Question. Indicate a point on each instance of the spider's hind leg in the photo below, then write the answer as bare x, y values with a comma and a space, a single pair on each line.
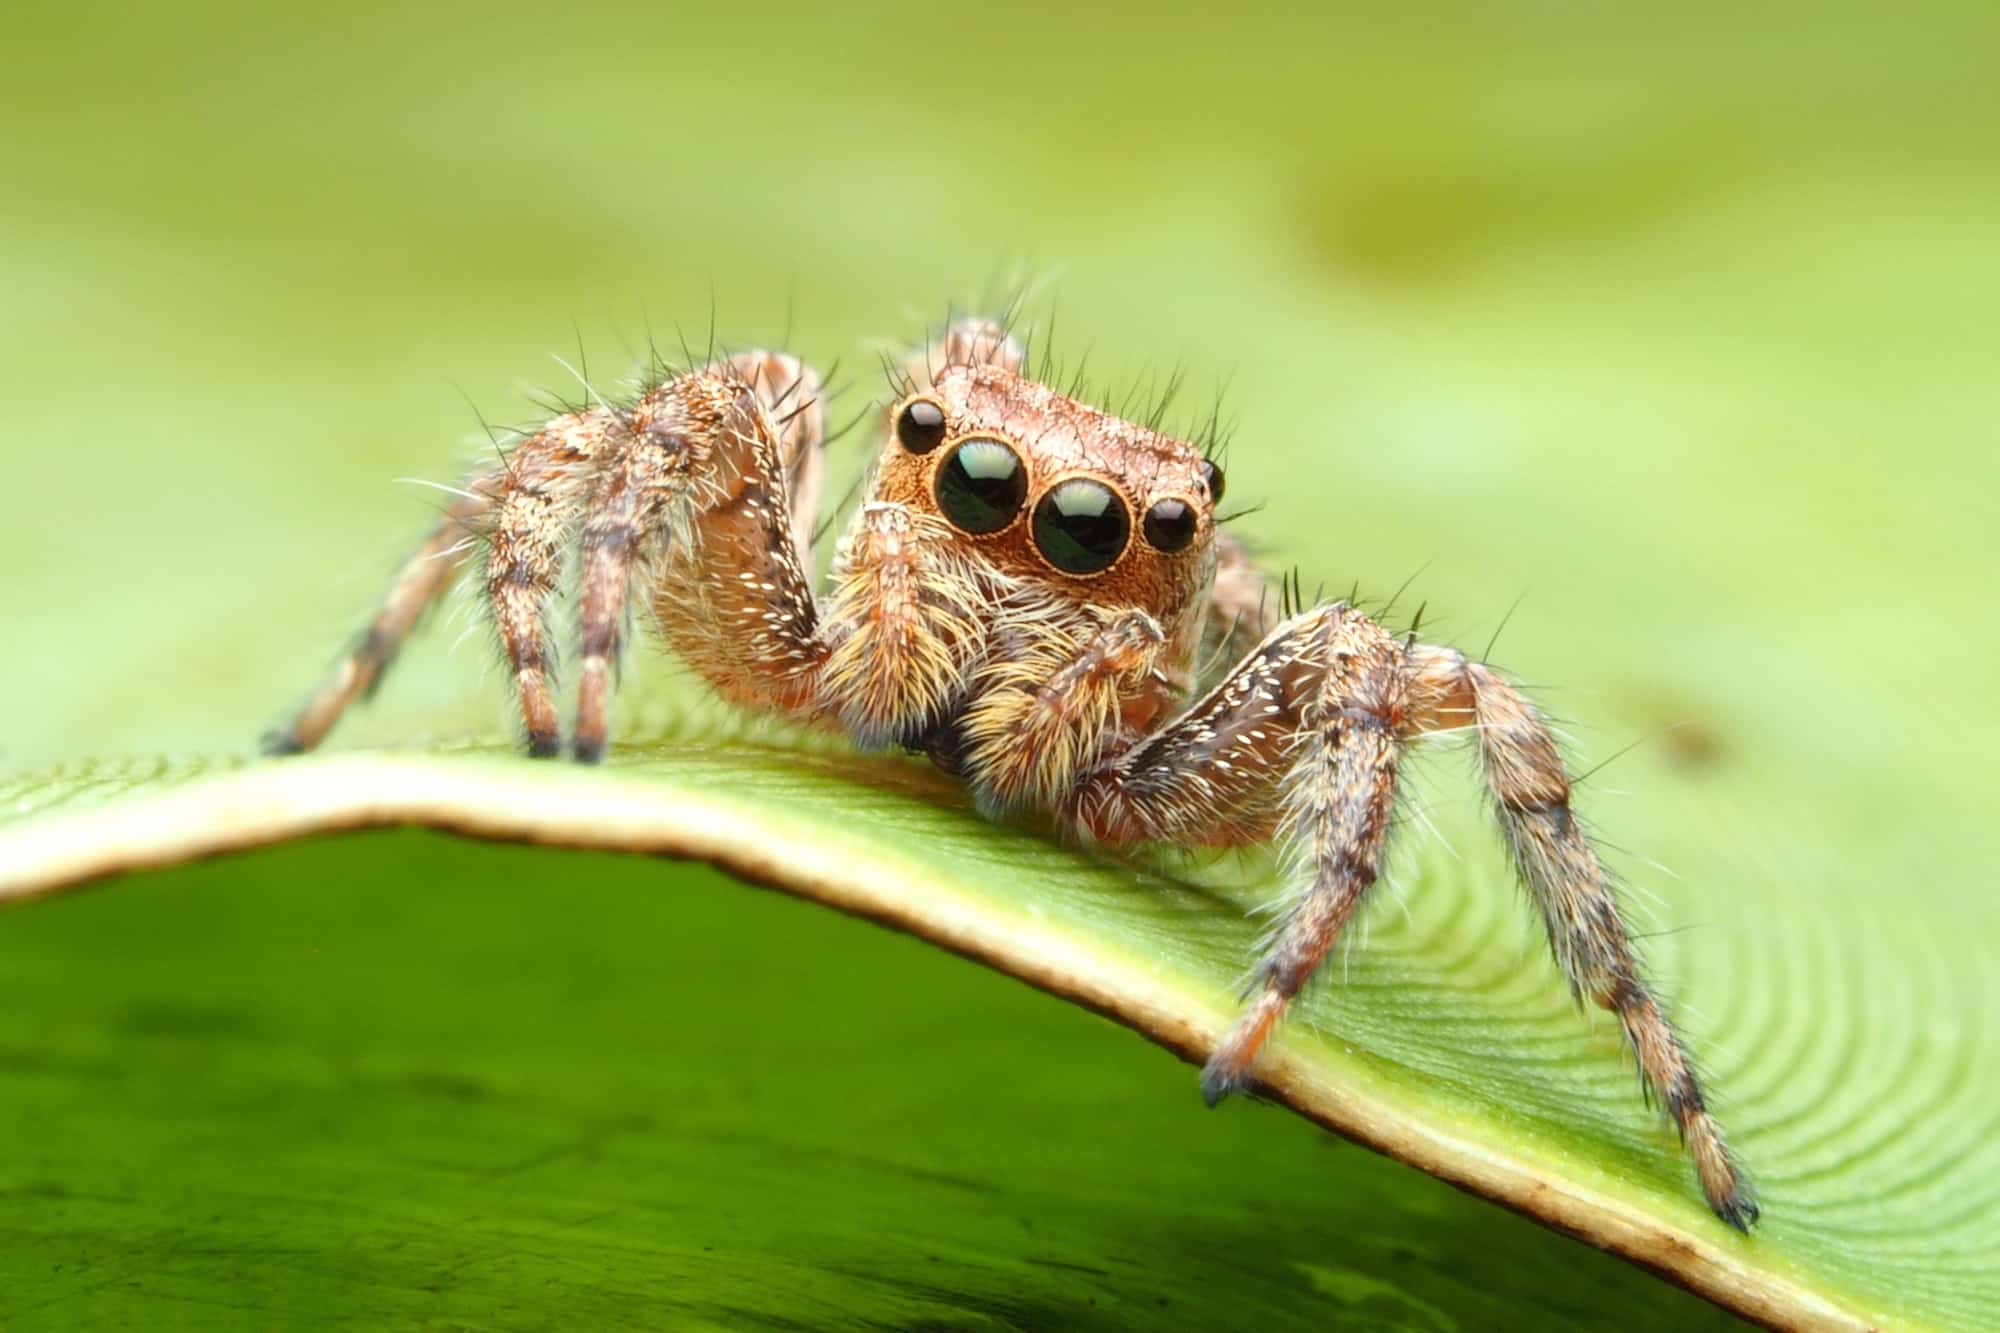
709, 501
709, 495
730, 454
420, 581
526, 511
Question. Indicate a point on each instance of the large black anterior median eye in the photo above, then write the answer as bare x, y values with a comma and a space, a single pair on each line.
1170, 524
980, 487
1081, 526
920, 426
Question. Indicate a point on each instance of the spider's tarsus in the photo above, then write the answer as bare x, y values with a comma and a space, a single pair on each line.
277, 744
544, 745
1217, 1081
1739, 1210
588, 751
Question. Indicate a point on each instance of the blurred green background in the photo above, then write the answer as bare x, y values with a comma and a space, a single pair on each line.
1680, 324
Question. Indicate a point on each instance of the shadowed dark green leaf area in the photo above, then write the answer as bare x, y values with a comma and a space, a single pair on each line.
394, 1078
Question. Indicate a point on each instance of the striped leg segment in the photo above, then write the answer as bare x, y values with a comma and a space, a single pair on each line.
717, 468
621, 534
1531, 796
1339, 802
709, 501
422, 579
539, 501
1301, 737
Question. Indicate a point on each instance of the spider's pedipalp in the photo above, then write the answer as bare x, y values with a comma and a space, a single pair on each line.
1044, 709
902, 626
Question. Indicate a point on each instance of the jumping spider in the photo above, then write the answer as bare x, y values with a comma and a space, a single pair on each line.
1022, 596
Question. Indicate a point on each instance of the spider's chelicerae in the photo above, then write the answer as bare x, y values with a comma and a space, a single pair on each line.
1023, 595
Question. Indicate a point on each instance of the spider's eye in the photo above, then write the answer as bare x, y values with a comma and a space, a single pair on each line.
1211, 476
920, 426
1081, 526
1170, 525
980, 487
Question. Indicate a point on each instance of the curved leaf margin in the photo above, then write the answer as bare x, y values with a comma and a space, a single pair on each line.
696, 808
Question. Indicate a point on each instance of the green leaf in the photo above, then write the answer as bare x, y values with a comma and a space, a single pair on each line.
1683, 325
392, 1079
1432, 1045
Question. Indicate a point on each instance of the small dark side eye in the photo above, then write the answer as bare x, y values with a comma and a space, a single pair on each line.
981, 485
1211, 476
1170, 525
920, 426
1081, 526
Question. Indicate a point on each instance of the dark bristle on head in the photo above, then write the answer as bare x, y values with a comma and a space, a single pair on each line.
1149, 399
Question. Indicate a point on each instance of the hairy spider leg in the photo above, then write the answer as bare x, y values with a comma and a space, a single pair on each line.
697, 506
600, 472
1339, 796
1304, 738
423, 577
1530, 789
1300, 739
538, 502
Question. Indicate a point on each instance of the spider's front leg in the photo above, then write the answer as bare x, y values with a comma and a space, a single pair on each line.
1301, 738
1304, 739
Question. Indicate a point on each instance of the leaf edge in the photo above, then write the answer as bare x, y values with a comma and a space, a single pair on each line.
502, 800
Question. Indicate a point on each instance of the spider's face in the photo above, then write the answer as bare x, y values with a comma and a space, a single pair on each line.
1045, 490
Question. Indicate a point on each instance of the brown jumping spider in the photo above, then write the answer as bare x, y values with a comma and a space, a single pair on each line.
1023, 596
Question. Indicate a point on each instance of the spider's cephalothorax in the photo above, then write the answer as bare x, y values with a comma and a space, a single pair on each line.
1023, 595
